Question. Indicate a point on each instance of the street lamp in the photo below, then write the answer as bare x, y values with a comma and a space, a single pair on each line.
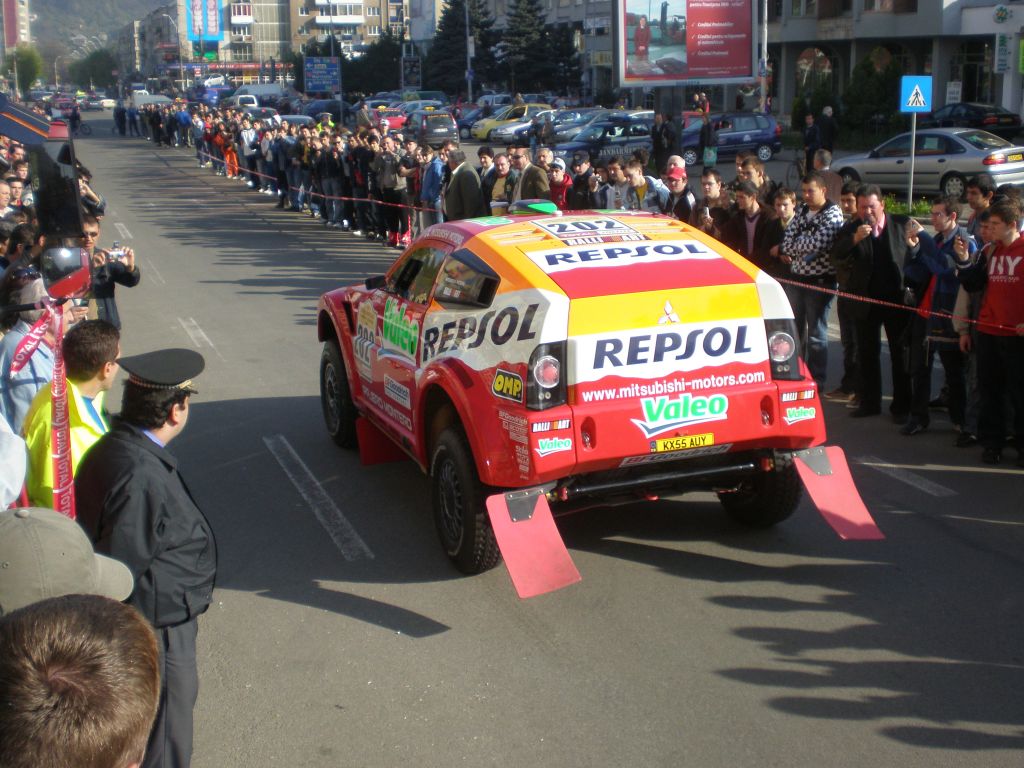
177, 39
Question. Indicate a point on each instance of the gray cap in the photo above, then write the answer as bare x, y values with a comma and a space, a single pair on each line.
46, 554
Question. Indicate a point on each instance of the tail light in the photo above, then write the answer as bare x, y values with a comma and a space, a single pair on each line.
778, 129
783, 349
997, 159
546, 377
990, 120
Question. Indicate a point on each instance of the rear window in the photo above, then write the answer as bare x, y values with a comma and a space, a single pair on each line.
983, 140
439, 121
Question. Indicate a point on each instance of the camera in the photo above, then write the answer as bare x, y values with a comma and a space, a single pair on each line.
115, 253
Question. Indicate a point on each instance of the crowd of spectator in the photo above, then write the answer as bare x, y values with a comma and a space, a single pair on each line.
820, 239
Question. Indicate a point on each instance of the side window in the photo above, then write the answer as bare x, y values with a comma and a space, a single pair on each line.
896, 148
931, 145
463, 283
746, 124
414, 275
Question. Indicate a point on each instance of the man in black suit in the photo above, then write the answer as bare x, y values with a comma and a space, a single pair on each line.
533, 183
135, 506
870, 254
745, 230
463, 198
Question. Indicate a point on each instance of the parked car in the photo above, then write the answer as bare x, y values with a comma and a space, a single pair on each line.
737, 131
298, 120
944, 159
519, 130
608, 138
568, 129
483, 129
263, 113
432, 127
465, 122
393, 113
987, 117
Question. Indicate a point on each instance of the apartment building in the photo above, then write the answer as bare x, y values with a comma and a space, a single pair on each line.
355, 24
16, 24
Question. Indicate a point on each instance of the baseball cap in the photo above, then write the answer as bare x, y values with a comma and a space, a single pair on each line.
580, 157
676, 172
558, 163
46, 554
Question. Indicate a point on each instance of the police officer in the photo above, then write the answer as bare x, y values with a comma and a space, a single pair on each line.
135, 506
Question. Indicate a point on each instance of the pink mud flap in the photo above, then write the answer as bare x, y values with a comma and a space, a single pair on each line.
530, 543
826, 476
374, 446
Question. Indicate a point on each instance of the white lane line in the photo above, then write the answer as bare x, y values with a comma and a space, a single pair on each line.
150, 266
198, 335
123, 230
344, 536
906, 476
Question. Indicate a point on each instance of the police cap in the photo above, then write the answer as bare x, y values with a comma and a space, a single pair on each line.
164, 368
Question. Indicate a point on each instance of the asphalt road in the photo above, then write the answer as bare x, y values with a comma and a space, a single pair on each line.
689, 642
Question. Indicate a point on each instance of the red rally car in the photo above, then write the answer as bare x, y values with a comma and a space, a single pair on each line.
536, 363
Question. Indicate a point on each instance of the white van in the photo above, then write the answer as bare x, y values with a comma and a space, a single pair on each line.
265, 93
496, 100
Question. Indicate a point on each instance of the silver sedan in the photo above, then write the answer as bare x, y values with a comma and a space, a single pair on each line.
944, 159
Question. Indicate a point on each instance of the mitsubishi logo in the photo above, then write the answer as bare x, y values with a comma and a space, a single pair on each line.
669, 316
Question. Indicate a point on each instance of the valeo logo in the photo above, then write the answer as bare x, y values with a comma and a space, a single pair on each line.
800, 413
549, 445
401, 332
664, 413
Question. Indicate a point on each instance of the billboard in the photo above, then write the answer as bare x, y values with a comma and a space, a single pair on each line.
204, 20
676, 42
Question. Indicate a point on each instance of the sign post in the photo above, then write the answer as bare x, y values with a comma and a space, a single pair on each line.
915, 96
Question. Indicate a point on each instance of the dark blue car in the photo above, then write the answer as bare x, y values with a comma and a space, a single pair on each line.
736, 131
609, 138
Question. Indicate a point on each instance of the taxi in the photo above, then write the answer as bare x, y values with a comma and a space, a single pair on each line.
483, 130
550, 363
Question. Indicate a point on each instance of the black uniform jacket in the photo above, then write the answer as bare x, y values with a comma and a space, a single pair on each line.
135, 506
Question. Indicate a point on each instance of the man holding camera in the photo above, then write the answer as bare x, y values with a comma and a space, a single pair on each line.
109, 269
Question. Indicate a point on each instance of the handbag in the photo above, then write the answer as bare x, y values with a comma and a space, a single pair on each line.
710, 155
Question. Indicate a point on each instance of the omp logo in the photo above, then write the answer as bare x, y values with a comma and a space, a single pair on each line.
664, 413
549, 445
401, 332
508, 385
793, 415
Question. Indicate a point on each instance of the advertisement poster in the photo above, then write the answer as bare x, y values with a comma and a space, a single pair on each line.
679, 41
204, 20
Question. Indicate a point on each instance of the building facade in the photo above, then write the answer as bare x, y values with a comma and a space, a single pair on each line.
971, 49
15, 19
355, 24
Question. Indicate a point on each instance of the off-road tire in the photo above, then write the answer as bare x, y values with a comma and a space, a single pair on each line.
767, 498
340, 412
460, 505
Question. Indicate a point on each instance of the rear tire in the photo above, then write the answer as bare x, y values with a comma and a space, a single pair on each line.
690, 156
464, 133
848, 175
764, 153
460, 505
339, 410
954, 185
766, 498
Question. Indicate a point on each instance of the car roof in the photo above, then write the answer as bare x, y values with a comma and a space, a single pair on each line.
513, 246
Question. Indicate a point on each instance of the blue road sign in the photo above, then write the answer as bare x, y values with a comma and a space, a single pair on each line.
916, 93
323, 74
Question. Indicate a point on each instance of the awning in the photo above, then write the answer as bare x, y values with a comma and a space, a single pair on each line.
21, 125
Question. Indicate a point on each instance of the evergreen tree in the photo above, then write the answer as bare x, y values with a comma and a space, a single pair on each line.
445, 65
378, 69
564, 60
524, 54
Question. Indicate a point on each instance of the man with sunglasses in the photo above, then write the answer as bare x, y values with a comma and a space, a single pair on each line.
110, 268
532, 183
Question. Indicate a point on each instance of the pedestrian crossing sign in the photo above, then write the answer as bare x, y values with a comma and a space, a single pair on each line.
916, 93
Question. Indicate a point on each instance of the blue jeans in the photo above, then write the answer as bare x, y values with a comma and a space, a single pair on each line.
810, 310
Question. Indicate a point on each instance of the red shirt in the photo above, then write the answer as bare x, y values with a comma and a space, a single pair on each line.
1003, 302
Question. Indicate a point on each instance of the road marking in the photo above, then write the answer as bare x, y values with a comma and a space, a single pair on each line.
344, 536
156, 272
198, 335
899, 472
123, 230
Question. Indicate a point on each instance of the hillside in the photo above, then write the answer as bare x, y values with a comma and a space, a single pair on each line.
57, 20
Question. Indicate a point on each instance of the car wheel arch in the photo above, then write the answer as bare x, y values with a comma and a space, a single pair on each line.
440, 405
